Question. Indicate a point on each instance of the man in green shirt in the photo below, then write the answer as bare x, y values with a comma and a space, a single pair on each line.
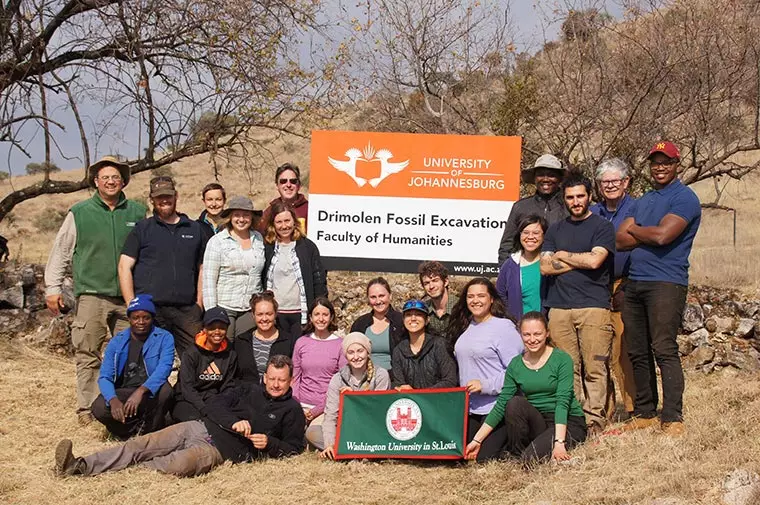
434, 278
90, 241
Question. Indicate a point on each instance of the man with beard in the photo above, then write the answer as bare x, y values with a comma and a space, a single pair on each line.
659, 233
578, 256
90, 241
163, 256
242, 424
134, 392
546, 173
287, 177
434, 278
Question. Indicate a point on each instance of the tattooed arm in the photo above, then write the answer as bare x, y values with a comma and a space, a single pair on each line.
550, 265
587, 261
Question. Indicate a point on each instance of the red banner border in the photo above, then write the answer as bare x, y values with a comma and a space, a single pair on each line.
390, 392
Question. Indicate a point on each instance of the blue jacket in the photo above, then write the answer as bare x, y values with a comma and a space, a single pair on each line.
509, 286
158, 355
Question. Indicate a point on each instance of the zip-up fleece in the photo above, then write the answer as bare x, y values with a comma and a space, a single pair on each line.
280, 419
101, 233
205, 373
158, 355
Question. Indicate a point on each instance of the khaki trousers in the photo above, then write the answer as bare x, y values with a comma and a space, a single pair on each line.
586, 335
620, 367
95, 317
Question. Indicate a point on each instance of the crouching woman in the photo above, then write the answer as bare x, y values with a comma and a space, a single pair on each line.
546, 422
360, 374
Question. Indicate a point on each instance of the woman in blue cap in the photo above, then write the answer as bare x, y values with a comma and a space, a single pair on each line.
207, 368
421, 360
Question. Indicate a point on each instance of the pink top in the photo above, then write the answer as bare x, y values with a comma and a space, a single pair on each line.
315, 361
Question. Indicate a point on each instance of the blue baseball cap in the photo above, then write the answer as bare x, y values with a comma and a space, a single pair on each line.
415, 305
215, 314
142, 302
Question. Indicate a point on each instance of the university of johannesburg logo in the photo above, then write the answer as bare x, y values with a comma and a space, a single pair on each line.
368, 156
403, 419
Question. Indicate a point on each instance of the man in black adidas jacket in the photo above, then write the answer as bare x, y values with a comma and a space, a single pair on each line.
239, 425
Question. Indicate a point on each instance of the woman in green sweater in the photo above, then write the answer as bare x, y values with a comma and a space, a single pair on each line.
548, 420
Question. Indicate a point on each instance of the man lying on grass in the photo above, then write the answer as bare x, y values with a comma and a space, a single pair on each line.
241, 424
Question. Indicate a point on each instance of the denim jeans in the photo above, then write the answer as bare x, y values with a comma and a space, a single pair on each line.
652, 316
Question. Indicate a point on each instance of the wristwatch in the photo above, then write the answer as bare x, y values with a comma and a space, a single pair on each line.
558, 441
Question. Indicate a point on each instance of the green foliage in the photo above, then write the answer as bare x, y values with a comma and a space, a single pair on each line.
162, 171
49, 220
519, 103
583, 25
4, 175
41, 168
211, 125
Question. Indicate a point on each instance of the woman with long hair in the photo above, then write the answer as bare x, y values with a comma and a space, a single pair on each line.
233, 262
546, 420
254, 347
520, 284
317, 356
293, 269
383, 325
486, 340
360, 374
421, 360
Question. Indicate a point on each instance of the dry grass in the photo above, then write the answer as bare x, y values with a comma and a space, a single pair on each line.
38, 392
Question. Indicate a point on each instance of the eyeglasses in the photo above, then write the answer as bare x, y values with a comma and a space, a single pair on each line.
293, 181
526, 233
664, 163
114, 178
611, 183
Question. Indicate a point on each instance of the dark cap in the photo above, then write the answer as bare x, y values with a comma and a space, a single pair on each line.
215, 314
108, 161
415, 305
162, 186
669, 149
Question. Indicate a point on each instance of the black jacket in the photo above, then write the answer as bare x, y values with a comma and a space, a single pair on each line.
433, 367
397, 329
552, 209
199, 380
312, 271
281, 419
246, 369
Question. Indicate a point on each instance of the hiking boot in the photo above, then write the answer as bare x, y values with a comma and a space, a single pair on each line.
85, 418
65, 462
640, 423
593, 430
674, 428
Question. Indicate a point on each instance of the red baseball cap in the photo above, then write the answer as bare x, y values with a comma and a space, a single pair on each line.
669, 149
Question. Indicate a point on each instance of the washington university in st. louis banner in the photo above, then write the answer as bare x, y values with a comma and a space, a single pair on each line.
417, 424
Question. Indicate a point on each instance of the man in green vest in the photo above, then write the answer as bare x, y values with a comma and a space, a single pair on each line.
90, 240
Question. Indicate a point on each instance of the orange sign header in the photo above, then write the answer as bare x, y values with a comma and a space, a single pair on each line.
464, 167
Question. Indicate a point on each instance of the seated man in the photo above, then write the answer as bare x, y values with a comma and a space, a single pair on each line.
207, 367
241, 424
134, 392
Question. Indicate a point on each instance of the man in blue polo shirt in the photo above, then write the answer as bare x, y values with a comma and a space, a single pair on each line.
612, 179
659, 233
163, 256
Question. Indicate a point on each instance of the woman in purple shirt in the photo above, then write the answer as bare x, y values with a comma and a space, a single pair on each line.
486, 341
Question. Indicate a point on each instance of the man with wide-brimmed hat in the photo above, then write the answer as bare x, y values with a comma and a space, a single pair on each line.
90, 240
163, 256
546, 173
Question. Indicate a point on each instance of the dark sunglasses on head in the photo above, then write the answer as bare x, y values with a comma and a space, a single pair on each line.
292, 181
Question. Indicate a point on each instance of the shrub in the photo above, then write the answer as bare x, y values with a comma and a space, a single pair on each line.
49, 220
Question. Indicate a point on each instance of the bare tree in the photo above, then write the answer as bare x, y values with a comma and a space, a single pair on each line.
159, 67
431, 65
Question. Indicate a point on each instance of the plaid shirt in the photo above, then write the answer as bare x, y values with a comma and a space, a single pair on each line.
299, 278
437, 324
228, 282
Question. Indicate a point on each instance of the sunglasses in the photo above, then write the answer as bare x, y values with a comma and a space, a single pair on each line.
292, 181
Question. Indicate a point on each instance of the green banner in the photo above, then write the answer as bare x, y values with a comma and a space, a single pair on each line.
417, 424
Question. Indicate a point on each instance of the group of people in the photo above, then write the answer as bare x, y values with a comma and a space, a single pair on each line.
584, 294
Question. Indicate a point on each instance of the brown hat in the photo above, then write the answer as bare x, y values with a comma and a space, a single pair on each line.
239, 203
162, 186
108, 161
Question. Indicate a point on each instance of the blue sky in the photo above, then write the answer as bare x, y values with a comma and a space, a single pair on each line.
533, 22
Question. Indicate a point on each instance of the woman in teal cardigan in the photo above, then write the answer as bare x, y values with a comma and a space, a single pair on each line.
548, 420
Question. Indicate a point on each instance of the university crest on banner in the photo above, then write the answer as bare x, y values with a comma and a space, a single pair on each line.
418, 424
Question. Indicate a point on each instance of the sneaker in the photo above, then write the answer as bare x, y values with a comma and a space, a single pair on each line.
65, 462
640, 423
674, 428
85, 418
